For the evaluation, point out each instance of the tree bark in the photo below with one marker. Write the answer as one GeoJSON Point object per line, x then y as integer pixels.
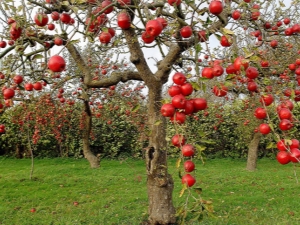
{"type": "Point", "coordinates": [159, 183]}
{"type": "Point", "coordinates": [88, 154]}
{"type": "Point", "coordinates": [252, 152]}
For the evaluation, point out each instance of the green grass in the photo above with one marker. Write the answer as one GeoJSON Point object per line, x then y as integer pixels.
{"type": "Point", "coordinates": [116, 193]}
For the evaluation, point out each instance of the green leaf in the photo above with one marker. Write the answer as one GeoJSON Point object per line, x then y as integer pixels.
{"type": "Point", "coordinates": [178, 162]}
{"type": "Point", "coordinates": [37, 56]}
{"type": "Point", "coordinates": [74, 41]}
{"type": "Point", "coordinates": [157, 122]}
{"type": "Point", "coordinates": [230, 76]}
{"type": "Point", "coordinates": [196, 86]}
{"type": "Point", "coordinates": [136, 108]}
{"type": "Point", "coordinates": [200, 148]}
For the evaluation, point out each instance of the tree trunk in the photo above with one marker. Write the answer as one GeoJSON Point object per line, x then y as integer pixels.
{"type": "Point", "coordinates": [159, 184]}
{"type": "Point", "coordinates": [252, 152]}
{"type": "Point", "coordinates": [88, 154]}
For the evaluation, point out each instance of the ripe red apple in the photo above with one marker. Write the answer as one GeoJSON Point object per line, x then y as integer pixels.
{"type": "Point", "coordinates": [178, 117]}
{"type": "Point", "coordinates": [260, 113]}
{"type": "Point", "coordinates": [225, 42]}
{"type": "Point", "coordinates": [178, 140]}
{"type": "Point", "coordinates": [41, 19]}
{"type": "Point", "coordinates": [58, 41]}
{"type": "Point", "coordinates": [51, 26]}
{"type": "Point", "coordinates": [285, 124]}
{"type": "Point", "coordinates": [124, 20]}
{"type": "Point", "coordinates": [236, 14]}
{"type": "Point", "coordinates": [55, 16]}
{"type": "Point", "coordinates": [202, 36]}
{"type": "Point", "coordinates": [163, 21]}
{"type": "Point", "coordinates": [189, 107]}
{"type": "Point", "coordinates": [56, 63]}
{"type": "Point", "coordinates": [106, 3]}
{"type": "Point", "coordinates": [240, 63]}
{"type": "Point", "coordinates": [285, 113]}
{"type": "Point", "coordinates": [286, 21]}
{"type": "Point", "coordinates": [37, 86]}
{"type": "Point", "coordinates": [216, 7]}
{"type": "Point", "coordinates": [264, 128]}
{"type": "Point", "coordinates": [188, 179]}
{"type": "Point", "coordinates": [230, 69]}
{"type": "Point", "coordinates": [65, 18]}
{"type": "Point", "coordinates": [8, 93]}
{"type": "Point", "coordinates": [105, 37]}
{"type": "Point", "coordinates": [281, 145]}
{"type": "Point", "coordinates": [295, 155]}
{"type": "Point", "coordinates": [283, 157]}
{"type": "Point", "coordinates": [217, 70]}
{"type": "Point", "coordinates": [199, 104]}
{"type": "Point", "coordinates": [15, 31]}
{"type": "Point", "coordinates": [186, 31]}
{"type": "Point", "coordinates": [28, 87]}
{"type": "Point", "coordinates": [174, 90]}
{"type": "Point", "coordinates": [179, 78]}
{"type": "Point", "coordinates": [33, 210]}
{"type": "Point", "coordinates": [189, 166]}
{"type": "Point", "coordinates": [174, 2]}
{"type": "Point", "coordinates": [295, 143]}
{"type": "Point", "coordinates": [252, 72]}
{"type": "Point", "coordinates": [252, 86]}
{"type": "Point", "coordinates": [147, 38]}
{"type": "Point", "coordinates": [220, 91]}
{"type": "Point", "coordinates": [179, 101]}
{"type": "Point", "coordinates": [154, 28]}
{"type": "Point", "coordinates": [267, 99]}
{"type": "Point", "coordinates": [274, 43]}
{"type": "Point", "coordinates": [167, 110]}
{"type": "Point", "coordinates": [2, 44]}
{"type": "Point", "coordinates": [18, 79]}
{"type": "Point", "coordinates": [207, 72]}
{"type": "Point", "coordinates": [188, 150]}
{"type": "Point", "coordinates": [186, 89]}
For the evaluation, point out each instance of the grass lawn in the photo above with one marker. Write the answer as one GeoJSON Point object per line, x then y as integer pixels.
{"type": "Point", "coordinates": [116, 193]}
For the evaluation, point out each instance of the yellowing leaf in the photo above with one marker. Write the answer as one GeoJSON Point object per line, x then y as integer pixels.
{"type": "Point", "coordinates": [227, 31]}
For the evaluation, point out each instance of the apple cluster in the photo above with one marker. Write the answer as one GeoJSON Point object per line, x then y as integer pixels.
{"type": "Point", "coordinates": [177, 111]}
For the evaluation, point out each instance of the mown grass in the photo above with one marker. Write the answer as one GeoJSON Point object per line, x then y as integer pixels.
{"type": "Point", "coordinates": [116, 193]}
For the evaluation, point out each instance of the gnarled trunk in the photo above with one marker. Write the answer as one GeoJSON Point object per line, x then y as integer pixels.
{"type": "Point", "coordinates": [159, 184]}
{"type": "Point", "coordinates": [252, 152]}
{"type": "Point", "coordinates": [88, 154]}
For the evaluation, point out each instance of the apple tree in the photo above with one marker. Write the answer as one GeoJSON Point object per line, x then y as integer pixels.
{"type": "Point", "coordinates": [157, 39]}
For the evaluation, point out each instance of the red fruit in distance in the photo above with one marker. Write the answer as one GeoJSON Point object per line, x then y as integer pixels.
{"type": "Point", "coordinates": [178, 101]}
{"type": "Point", "coordinates": [58, 41]}
{"type": "Point", "coordinates": [236, 15]}
{"type": "Point", "coordinates": [189, 166]}
{"type": "Point", "coordinates": [55, 16]}
{"type": "Point", "coordinates": [37, 86]}
{"type": "Point", "coordinates": [18, 79]}
{"type": "Point", "coordinates": [105, 37]}
{"type": "Point", "coordinates": [230, 69]}
{"type": "Point", "coordinates": [28, 87]}
{"type": "Point", "coordinates": [178, 117]}
{"type": "Point", "coordinates": [174, 90]}
{"type": "Point", "coordinates": [2, 44]}
{"type": "Point", "coordinates": [225, 42]}
{"type": "Point", "coordinates": [252, 72]}
{"type": "Point", "coordinates": [267, 99]}
{"type": "Point", "coordinates": [283, 157]}
{"type": "Point", "coordinates": [286, 21]}
{"type": "Point", "coordinates": [124, 20]}
{"type": "Point", "coordinates": [252, 86]}
{"type": "Point", "coordinates": [51, 26]}
{"type": "Point", "coordinates": [154, 28]}
{"type": "Point", "coordinates": [281, 146]}
{"type": "Point", "coordinates": [240, 63]}
{"type": "Point", "coordinates": [8, 93]}
{"type": "Point", "coordinates": [186, 89]}
{"type": "Point", "coordinates": [167, 110]}
{"type": "Point", "coordinates": [188, 150]}
{"type": "Point", "coordinates": [207, 72]}
{"type": "Point", "coordinates": [285, 113]}
{"type": "Point", "coordinates": [264, 128]}
{"type": "Point", "coordinates": [163, 22]}
{"type": "Point", "coordinates": [260, 113]}
{"type": "Point", "coordinates": [186, 31]}
{"type": "Point", "coordinates": [285, 124]}
{"type": "Point", "coordinates": [176, 2]}
{"type": "Point", "coordinates": [65, 18]}
{"type": "Point", "coordinates": [295, 155]}
{"type": "Point", "coordinates": [188, 179]}
{"type": "Point", "coordinates": [178, 140]}
{"type": "Point", "coordinates": [41, 19]}
{"type": "Point", "coordinates": [274, 43]}
{"type": "Point", "coordinates": [179, 78]}
{"type": "Point", "coordinates": [106, 3]}
{"type": "Point", "coordinates": [215, 7]}
{"type": "Point", "coordinates": [56, 63]}
{"type": "Point", "coordinates": [147, 38]}
{"type": "Point", "coordinates": [199, 104]}
{"type": "Point", "coordinates": [202, 36]}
